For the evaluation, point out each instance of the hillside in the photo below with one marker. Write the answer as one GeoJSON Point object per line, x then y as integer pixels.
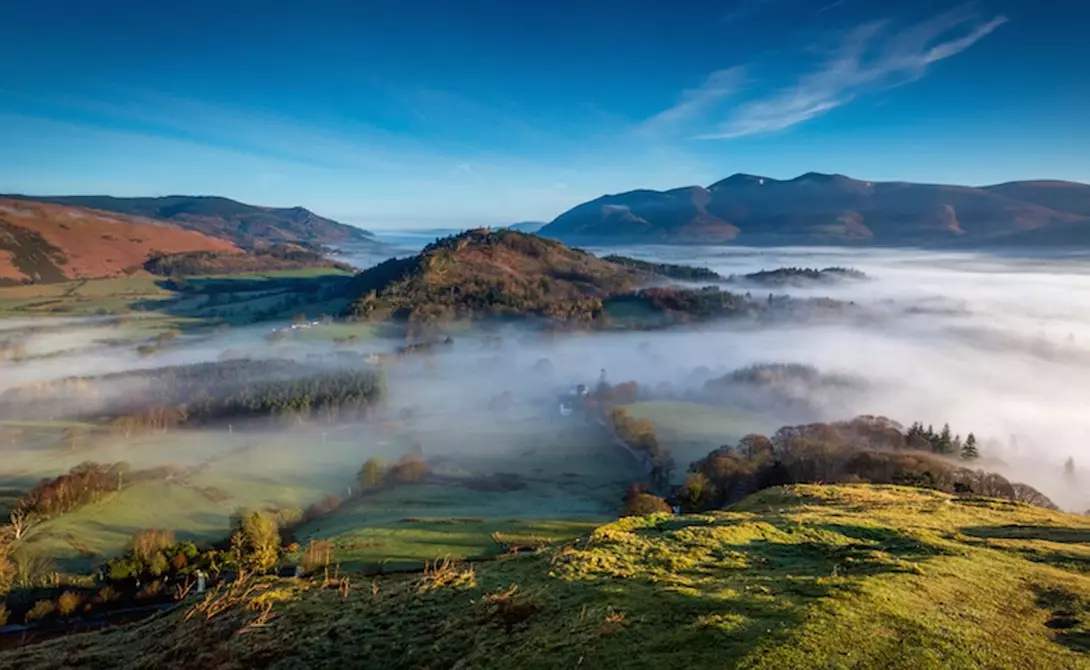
{"type": "Point", "coordinates": [248, 226]}
{"type": "Point", "coordinates": [806, 576]}
{"type": "Point", "coordinates": [1062, 196]}
{"type": "Point", "coordinates": [489, 273]}
{"type": "Point", "coordinates": [825, 209]}
{"type": "Point", "coordinates": [47, 243]}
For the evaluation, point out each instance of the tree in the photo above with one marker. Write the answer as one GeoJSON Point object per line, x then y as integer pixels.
{"type": "Point", "coordinates": [945, 442]}
{"type": "Point", "coordinates": [1069, 468]}
{"type": "Point", "coordinates": [697, 493]}
{"type": "Point", "coordinates": [257, 542]}
{"type": "Point", "coordinates": [410, 469]}
{"type": "Point", "coordinates": [643, 504]}
{"type": "Point", "coordinates": [371, 474]}
{"type": "Point", "coordinates": [969, 451]}
{"type": "Point", "coordinates": [22, 519]}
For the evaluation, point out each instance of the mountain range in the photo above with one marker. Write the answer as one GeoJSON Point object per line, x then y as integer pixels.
{"type": "Point", "coordinates": [819, 208]}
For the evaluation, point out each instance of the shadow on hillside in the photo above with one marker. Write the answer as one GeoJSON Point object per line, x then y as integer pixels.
{"type": "Point", "coordinates": [245, 298]}
{"type": "Point", "coordinates": [760, 589]}
{"type": "Point", "coordinates": [1070, 616]}
{"type": "Point", "coordinates": [1030, 532]}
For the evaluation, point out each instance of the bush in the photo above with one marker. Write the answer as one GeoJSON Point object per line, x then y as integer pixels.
{"type": "Point", "coordinates": [41, 610]}
{"type": "Point", "coordinates": [4, 616]}
{"type": "Point", "coordinates": [68, 603]}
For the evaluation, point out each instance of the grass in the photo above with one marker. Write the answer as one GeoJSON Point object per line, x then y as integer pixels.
{"type": "Point", "coordinates": [412, 524]}
{"type": "Point", "coordinates": [82, 539]}
{"type": "Point", "coordinates": [691, 430]}
{"type": "Point", "coordinates": [802, 577]}
{"type": "Point", "coordinates": [573, 477]}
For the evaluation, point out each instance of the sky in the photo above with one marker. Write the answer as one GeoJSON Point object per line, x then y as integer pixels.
{"type": "Point", "coordinates": [421, 114]}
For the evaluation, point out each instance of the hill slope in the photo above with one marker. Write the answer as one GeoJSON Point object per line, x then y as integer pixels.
{"type": "Point", "coordinates": [823, 209]}
{"type": "Point", "coordinates": [248, 226]}
{"type": "Point", "coordinates": [42, 242]}
{"type": "Point", "coordinates": [800, 577]}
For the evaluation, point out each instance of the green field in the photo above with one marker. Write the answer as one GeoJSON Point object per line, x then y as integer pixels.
{"type": "Point", "coordinates": [571, 474]}
{"type": "Point", "coordinates": [854, 577]}
{"type": "Point", "coordinates": [691, 430]}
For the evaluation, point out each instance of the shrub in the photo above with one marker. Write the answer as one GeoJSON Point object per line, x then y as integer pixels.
{"type": "Point", "coordinates": [40, 610]}
{"type": "Point", "coordinates": [4, 615]}
{"type": "Point", "coordinates": [68, 603]}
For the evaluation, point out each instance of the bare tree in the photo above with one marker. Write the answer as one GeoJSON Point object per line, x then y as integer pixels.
{"type": "Point", "coordinates": [22, 520]}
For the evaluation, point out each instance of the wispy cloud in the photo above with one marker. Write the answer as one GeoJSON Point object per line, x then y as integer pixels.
{"type": "Point", "coordinates": [870, 57]}
{"type": "Point", "coordinates": [695, 103]}
{"type": "Point", "coordinates": [742, 9]}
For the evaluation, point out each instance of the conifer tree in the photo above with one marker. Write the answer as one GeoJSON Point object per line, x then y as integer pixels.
{"type": "Point", "coordinates": [969, 451]}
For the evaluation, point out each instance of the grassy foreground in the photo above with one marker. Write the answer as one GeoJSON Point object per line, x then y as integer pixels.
{"type": "Point", "coordinates": [800, 577]}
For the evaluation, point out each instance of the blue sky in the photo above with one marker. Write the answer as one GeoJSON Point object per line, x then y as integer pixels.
{"type": "Point", "coordinates": [423, 114]}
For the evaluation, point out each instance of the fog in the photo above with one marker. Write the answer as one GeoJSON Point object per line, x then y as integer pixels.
{"type": "Point", "coordinates": [998, 346]}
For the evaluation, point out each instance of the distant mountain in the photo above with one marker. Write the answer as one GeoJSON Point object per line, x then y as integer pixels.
{"type": "Point", "coordinates": [527, 226]}
{"type": "Point", "coordinates": [248, 226]}
{"type": "Point", "coordinates": [42, 242]}
{"type": "Point", "coordinates": [826, 209]}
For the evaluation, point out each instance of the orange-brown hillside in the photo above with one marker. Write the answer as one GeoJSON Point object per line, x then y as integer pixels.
{"type": "Point", "coordinates": [42, 242]}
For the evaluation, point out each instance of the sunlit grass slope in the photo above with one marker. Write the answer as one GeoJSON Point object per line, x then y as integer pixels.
{"type": "Point", "coordinates": [803, 577]}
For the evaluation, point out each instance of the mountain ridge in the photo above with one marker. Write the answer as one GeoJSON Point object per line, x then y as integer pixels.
{"type": "Point", "coordinates": [45, 242]}
{"type": "Point", "coordinates": [247, 226]}
{"type": "Point", "coordinates": [820, 208]}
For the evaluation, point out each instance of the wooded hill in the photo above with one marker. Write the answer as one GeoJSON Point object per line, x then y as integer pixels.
{"type": "Point", "coordinates": [483, 274]}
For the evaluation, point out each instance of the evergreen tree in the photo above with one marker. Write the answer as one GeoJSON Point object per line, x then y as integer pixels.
{"type": "Point", "coordinates": [1069, 468]}
{"type": "Point", "coordinates": [945, 442]}
{"type": "Point", "coordinates": [969, 451]}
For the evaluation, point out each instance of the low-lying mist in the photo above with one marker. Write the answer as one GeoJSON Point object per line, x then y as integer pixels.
{"type": "Point", "coordinates": [992, 345]}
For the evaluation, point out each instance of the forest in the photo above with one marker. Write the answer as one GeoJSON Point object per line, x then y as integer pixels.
{"type": "Point", "coordinates": [202, 393]}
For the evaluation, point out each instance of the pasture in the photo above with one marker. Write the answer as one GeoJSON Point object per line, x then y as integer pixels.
{"type": "Point", "coordinates": [691, 430]}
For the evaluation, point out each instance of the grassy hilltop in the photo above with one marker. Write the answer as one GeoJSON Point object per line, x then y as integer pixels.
{"type": "Point", "coordinates": [806, 576]}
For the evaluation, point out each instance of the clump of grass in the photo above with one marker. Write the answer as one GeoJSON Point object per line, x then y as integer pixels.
{"type": "Point", "coordinates": [507, 608]}
{"type": "Point", "coordinates": [446, 573]}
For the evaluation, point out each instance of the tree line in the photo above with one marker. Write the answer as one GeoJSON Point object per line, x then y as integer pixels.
{"type": "Point", "coordinates": [162, 398]}
{"type": "Point", "coordinates": [865, 449]}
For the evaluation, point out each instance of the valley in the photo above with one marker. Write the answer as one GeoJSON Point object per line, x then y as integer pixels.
{"type": "Point", "coordinates": [428, 411]}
